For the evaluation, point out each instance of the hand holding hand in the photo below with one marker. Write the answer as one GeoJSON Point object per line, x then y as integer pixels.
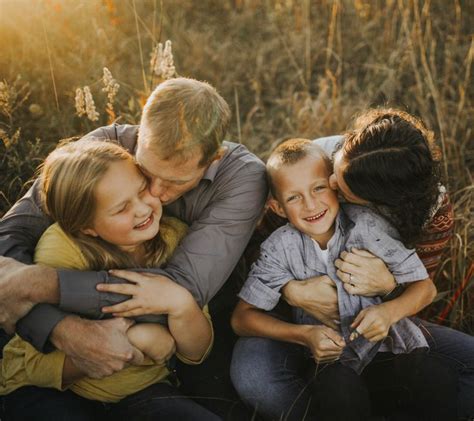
{"type": "Point", "coordinates": [364, 274]}
{"type": "Point", "coordinates": [317, 296]}
{"type": "Point", "coordinates": [373, 323]}
{"type": "Point", "coordinates": [151, 294]}
{"type": "Point", "coordinates": [325, 343]}
{"type": "Point", "coordinates": [97, 348]}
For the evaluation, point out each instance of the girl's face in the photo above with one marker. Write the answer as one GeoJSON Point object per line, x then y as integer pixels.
{"type": "Point", "coordinates": [126, 213]}
{"type": "Point", "coordinates": [337, 182]}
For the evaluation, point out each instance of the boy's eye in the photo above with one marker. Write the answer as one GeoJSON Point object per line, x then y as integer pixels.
{"type": "Point", "coordinates": [319, 188]}
{"type": "Point", "coordinates": [292, 198]}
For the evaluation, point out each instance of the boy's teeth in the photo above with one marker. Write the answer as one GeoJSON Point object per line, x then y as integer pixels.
{"type": "Point", "coordinates": [312, 218]}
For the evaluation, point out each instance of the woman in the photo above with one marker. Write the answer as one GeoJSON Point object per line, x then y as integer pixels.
{"type": "Point", "coordinates": [373, 165]}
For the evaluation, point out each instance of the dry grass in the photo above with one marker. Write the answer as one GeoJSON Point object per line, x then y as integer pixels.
{"type": "Point", "coordinates": [289, 68]}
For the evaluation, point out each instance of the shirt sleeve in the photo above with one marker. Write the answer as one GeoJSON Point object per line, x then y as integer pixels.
{"type": "Point", "coordinates": [382, 240]}
{"type": "Point", "coordinates": [267, 275]}
{"type": "Point", "coordinates": [217, 238]}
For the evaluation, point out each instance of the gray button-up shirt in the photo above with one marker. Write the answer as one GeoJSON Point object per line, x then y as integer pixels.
{"type": "Point", "coordinates": [222, 211]}
{"type": "Point", "coordinates": [289, 255]}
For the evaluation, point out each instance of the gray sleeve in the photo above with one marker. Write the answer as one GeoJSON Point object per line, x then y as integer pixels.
{"type": "Point", "coordinates": [216, 240]}
{"type": "Point", "coordinates": [268, 275]}
{"type": "Point", "coordinates": [383, 241]}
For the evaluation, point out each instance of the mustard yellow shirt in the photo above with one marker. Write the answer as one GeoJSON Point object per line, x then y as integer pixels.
{"type": "Point", "coordinates": [23, 365]}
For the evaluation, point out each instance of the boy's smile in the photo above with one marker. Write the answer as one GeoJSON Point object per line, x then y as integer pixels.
{"type": "Point", "coordinates": [305, 198]}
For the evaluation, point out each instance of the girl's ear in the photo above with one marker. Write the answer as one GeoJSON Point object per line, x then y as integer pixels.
{"type": "Point", "coordinates": [90, 231]}
{"type": "Point", "coordinates": [276, 207]}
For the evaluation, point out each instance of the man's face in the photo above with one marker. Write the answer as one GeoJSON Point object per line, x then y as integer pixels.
{"type": "Point", "coordinates": [169, 179]}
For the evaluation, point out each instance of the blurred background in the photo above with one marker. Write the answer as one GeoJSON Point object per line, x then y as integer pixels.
{"type": "Point", "coordinates": [287, 67]}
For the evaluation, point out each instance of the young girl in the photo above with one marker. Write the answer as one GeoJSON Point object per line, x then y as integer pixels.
{"type": "Point", "coordinates": [107, 219]}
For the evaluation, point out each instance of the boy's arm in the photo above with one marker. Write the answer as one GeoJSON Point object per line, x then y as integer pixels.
{"type": "Point", "coordinates": [325, 343]}
{"type": "Point", "coordinates": [374, 322]}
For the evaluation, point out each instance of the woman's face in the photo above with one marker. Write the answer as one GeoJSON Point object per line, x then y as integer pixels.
{"type": "Point", "coordinates": [336, 180]}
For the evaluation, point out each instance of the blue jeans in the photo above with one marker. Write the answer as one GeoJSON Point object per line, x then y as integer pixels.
{"type": "Point", "coordinates": [159, 401]}
{"type": "Point", "coordinates": [269, 375]}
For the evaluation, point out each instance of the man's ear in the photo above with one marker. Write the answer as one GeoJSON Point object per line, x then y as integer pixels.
{"type": "Point", "coordinates": [276, 207]}
{"type": "Point", "coordinates": [90, 231]}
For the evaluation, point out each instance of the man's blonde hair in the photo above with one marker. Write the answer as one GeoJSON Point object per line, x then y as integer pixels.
{"type": "Point", "coordinates": [183, 117]}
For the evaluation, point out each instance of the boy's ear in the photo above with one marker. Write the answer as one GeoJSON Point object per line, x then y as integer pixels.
{"type": "Point", "coordinates": [276, 207]}
{"type": "Point", "coordinates": [90, 231]}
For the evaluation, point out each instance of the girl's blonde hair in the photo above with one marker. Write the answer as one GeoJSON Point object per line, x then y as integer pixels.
{"type": "Point", "coordinates": [69, 177]}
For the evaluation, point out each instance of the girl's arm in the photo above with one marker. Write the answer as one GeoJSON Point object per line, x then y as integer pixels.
{"type": "Point", "coordinates": [187, 323]}
{"type": "Point", "coordinates": [325, 343]}
{"type": "Point", "coordinates": [374, 322]}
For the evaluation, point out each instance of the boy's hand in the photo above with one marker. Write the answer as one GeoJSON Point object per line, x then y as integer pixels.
{"type": "Point", "coordinates": [325, 343]}
{"type": "Point", "coordinates": [373, 323]}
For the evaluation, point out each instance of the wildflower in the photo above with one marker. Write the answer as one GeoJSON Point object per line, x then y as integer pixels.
{"type": "Point", "coordinates": [5, 106]}
{"type": "Point", "coordinates": [80, 103]}
{"type": "Point", "coordinates": [162, 62]}
{"type": "Point", "coordinates": [111, 87]}
{"type": "Point", "coordinates": [91, 111]}
{"type": "Point", "coordinates": [9, 141]}
{"type": "Point", "coordinates": [35, 111]}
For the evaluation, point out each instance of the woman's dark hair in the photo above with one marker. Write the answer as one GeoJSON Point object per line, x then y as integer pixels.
{"type": "Point", "coordinates": [393, 163]}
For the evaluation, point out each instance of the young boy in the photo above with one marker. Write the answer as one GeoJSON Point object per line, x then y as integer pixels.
{"type": "Point", "coordinates": [319, 230]}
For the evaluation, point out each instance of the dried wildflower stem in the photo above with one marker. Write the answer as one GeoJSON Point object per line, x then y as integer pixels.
{"type": "Point", "coordinates": [431, 85]}
{"type": "Point", "coordinates": [237, 113]}
{"type": "Point", "coordinates": [140, 47]}
{"type": "Point", "coordinates": [307, 8]}
{"type": "Point", "coordinates": [50, 64]}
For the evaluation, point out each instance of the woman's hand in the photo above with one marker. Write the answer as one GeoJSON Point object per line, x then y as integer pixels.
{"type": "Point", "coordinates": [151, 294]}
{"type": "Point", "coordinates": [316, 296]}
{"type": "Point", "coordinates": [364, 274]}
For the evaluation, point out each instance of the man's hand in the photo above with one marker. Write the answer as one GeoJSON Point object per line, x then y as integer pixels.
{"type": "Point", "coordinates": [325, 343]}
{"type": "Point", "coordinates": [97, 348]}
{"type": "Point", "coordinates": [373, 323]}
{"type": "Point", "coordinates": [317, 296]}
{"type": "Point", "coordinates": [20, 290]}
{"type": "Point", "coordinates": [364, 274]}
{"type": "Point", "coordinates": [151, 294]}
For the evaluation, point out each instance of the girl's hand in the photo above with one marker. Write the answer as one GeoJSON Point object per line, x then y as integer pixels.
{"type": "Point", "coordinates": [151, 294]}
{"type": "Point", "coordinates": [373, 323]}
{"type": "Point", "coordinates": [364, 274]}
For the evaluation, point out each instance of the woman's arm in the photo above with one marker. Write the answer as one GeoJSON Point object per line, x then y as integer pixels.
{"type": "Point", "coordinates": [317, 296]}
{"type": "Point", "coordinates": [325, 343]}
{"type": "Point", "coordinates": [374, 322]}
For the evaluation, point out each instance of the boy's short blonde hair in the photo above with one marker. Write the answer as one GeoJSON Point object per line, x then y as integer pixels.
{"type": "Point", "coordinates": [183, 117]}
{"type": "Point", "coordinates": [291, 152]}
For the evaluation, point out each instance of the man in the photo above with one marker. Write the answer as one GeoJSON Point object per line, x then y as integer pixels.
{"type": "Point", "coordinates": [218, 188]}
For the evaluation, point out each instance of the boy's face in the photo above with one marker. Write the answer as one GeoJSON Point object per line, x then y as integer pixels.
{"type": "Point", "coordinates": [305, 198]}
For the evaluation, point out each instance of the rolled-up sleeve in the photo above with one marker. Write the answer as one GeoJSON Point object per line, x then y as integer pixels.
{"type": "Point", "coordinates": [268, 275]}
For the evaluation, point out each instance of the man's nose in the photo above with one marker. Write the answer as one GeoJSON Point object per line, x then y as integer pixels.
{"type": "Point", "coordinates": [157, 188]}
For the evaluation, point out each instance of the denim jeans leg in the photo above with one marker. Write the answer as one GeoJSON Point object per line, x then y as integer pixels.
{"type": "Point", "coordinates": [457, 349]}
{"type": "Point", "coordinates": [32, 403]}
{"type": "Point", "coordinates": [160, 401]}
{"type": "Point", "coordinates": [267, 374]}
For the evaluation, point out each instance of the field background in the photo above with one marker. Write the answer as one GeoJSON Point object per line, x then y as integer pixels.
{"type": "Point", "coordinates": [287, 68]}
